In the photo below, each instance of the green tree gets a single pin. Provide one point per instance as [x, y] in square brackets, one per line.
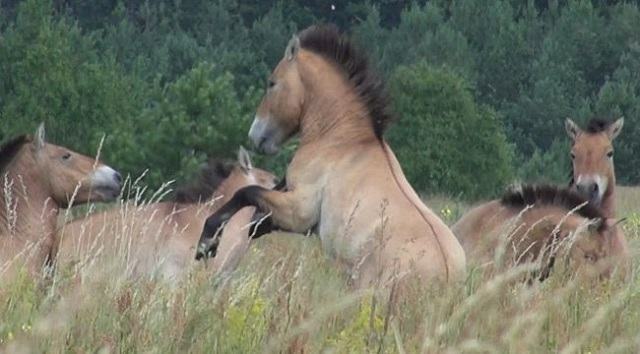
[197, 116]
[51, 73]
[620, 96]
[445, 141]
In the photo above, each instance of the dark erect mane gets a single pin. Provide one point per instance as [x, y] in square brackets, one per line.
[546, 195]
[9, 149]
[328, 42]
[597, 125]
[205, 184]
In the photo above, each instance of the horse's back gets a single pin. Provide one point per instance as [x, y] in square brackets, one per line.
[114, 234]
[154, 239]
[476, 229]
[369, 205]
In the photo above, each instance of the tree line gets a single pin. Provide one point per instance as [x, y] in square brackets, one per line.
[480, 88]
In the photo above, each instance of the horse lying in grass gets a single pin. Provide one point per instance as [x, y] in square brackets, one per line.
[158, 239]
[540, 224]
[343, 181]
[593, 173]
[37, 180]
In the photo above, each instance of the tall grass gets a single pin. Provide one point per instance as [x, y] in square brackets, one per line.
[287, 295]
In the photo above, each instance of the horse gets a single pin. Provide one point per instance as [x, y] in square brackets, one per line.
[541, 224]
[158, 239]
[38, 179]
[593, 173]
[343, 182]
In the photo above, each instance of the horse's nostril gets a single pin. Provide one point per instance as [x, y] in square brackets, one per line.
[118, 177]
[594, 187]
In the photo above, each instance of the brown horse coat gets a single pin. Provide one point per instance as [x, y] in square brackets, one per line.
[160, 238]
[343, 180]
[37, 179]
[593, 172]
[527, 223]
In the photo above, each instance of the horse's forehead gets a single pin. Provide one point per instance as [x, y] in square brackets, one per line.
[282, 67]
[54, 150]
[592, 143]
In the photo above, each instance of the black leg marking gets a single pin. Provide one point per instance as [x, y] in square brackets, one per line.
[208, 244]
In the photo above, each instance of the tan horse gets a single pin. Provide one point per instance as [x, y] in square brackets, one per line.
[158, 239]
[37, 180]
[593, 173]
[344, 180]
[538, 224]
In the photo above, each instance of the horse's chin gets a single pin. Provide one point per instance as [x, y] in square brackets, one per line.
[105, 193]
[596, 202]
[267, 146]
[270, 149]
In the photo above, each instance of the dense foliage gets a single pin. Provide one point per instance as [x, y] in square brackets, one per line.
[447, 141]
[170, 82]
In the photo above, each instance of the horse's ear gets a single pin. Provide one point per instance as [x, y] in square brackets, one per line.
[292, 48]
[573, 130]
[39, 137]
[244, 160]
[614, 129]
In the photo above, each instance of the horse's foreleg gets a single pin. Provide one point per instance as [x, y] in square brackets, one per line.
[289, 211]
[261, 222]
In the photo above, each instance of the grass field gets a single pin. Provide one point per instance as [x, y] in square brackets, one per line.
[287, 295]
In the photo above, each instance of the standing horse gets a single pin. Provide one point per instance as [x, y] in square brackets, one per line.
[593, 173]
[37, 180]
[344, 180]
[160, 238]
[538, 224]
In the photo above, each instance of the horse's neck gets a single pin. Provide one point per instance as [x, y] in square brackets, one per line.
[609, 202]
[333, 114]
[223, 194]
[27, 211]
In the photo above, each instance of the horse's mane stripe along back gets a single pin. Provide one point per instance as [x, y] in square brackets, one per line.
[205, 184]
[10, 148]
[521, 196]
[328, 42]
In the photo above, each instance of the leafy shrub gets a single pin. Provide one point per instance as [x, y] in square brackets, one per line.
[445, 141]
[198, 115]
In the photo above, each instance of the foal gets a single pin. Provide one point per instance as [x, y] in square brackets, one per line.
[538, 224]
[160, 238]
[37, 180]
[344, 181]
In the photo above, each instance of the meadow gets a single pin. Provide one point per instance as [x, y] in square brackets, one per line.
[287, 295]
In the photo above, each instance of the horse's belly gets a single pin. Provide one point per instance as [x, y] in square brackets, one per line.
[349, 235]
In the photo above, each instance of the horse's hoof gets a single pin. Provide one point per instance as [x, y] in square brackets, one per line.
[207, 249]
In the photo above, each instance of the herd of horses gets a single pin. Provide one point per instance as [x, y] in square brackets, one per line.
[344, 183]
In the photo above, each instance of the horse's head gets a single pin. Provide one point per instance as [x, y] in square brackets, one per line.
[244, 174]
[592, 157]
[278, 116]
[71, 176]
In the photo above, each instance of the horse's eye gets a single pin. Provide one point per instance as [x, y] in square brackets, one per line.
[66, 156]
[590, 257]
[270, 84]
[610, 154]
[573, 156]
